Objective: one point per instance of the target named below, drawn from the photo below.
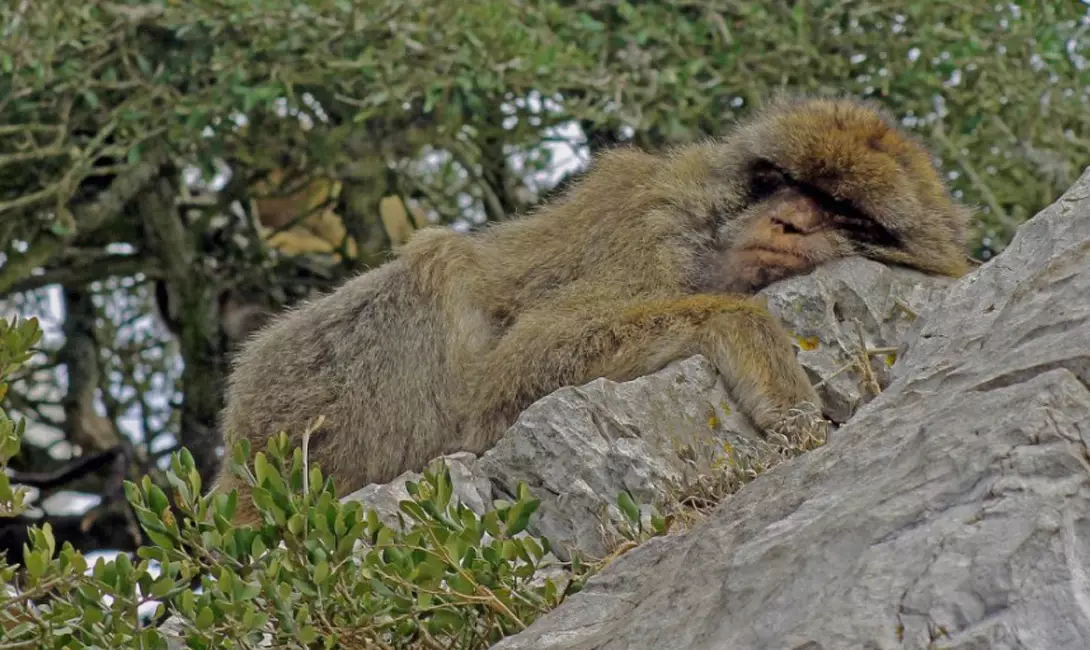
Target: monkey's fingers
(802, 427)
(756, 359)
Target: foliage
(314, 111)
(1000, 91)
(314, 574)
(16, 340)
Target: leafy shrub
(317, 573)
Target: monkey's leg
(548, 349)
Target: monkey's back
(366, 357)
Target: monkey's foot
(801, 427)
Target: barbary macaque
(645, 260)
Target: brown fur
(440, 349)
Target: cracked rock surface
(953, 510)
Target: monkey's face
(785, 231)
(824, 179)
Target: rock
(841, 311)
(469, 485)
(951, 511)
(578, 448)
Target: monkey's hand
(580, 340)
(757, 361)
(803, 426)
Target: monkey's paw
(801, 427)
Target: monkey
(646, 259)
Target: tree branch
(80, 275)
(83, 426)
(109, 526)
(192, 295)
(68, 472)
(87, 218)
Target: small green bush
(317, 573)
(16, 340)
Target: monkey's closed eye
(849, 218)
(765, 179)
(865, 230)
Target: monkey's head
(821, 179)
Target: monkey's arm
(547, 349)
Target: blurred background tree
(171, 173)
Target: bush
(317, 573)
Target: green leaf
(187, 603)
(157, 499)
(91, 99)
(321, 572)
(308, 634)
(205, 619)
(444, 621)
(261, 467)
(628, 507)
(160, 539)
(257, 549)
(414, 510)
(297, 523)
(519, 516)
(161, 587)
(35, 562)
(248, 591)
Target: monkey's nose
(786, 227)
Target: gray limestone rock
(844, 309)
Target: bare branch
(80, 356)
(78, 275)
(36, 154)
(15, 129)
(30, 199)
(70, 471)
(88, 217)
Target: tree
(171, 173)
